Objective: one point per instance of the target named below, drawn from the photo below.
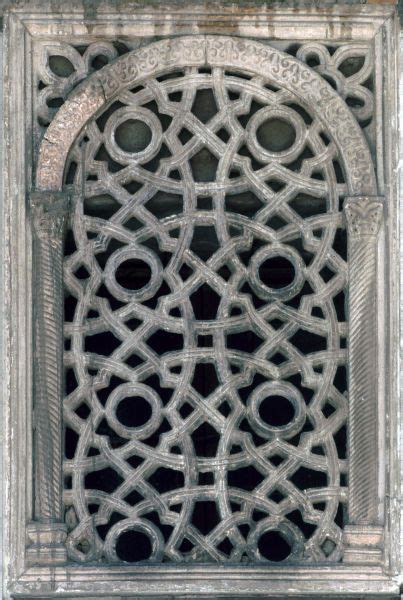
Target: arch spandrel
(214, 51)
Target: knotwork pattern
(205, 273)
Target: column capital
(49, 211)
(364, 215)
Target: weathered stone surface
(324, 96)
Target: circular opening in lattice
(133, 546)
(273, 546)
(276, 411)
(276, 135)
(125, 418)
(133, 274)
(134, 411)
(276, 272)
(133, 135)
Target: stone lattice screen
(209, 390)
(205, 329)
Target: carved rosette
(363, 535)
(47, 534)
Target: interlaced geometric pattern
(205, 330)
(60, 67)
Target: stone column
(363, 535)
(47, 534)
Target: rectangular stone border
(401, 291)
(347, 22)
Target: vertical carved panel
(364, 218)
(49, 212)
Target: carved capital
(364, 215)
(49, 214)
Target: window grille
(205, 275)
(210, 210)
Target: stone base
(363, 544)
(46, 543)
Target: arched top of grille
(210, 51)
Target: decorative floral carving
(364, 215)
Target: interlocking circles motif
(205, 274)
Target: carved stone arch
(212, 51)
(363, 210)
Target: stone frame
(24, 25)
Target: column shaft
(47, 533)
(363, 534)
